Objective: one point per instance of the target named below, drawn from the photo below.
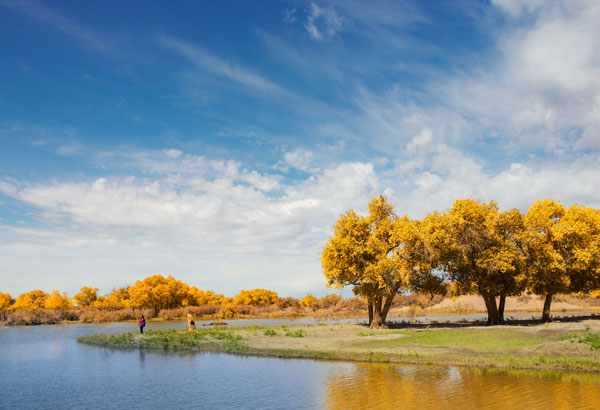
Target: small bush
(94, 315)
(288, 303)
(23, 317)
(350, 305)
(329, 301)
(230, 311)
(271, 332)
(297, 333)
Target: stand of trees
(483, 251)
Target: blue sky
(219, 141)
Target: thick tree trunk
(389, 300)
(501, 305)
(546, 311)
(370, 313)
(378, 319)
(380, 309)
(490, 304)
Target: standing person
(142, 324)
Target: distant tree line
(474, 246)
(156, 293)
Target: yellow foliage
(158, 292)
(379, 255)
(57, 301)
(309, 301)
(86, 297)
(197, 297)
(256, 297)
(35, 299)
(5, 301)
(117, 299)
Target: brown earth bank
(565, 345)
(405, 306)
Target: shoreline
(558, 346)
(424, 317)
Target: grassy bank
(569, 346)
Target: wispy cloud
(210, 63)
(289, 16)
(89, 38)
(323, 23)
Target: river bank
(569, 345)
(408, 307)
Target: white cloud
(210, 223)
(323, 23)
(545, 82)
(173, 153)
(590, 138)
(7, 188)
(421, 141)
(221, 225)
(299, 158)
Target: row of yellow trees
(547, 251)
(154, 292)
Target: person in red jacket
(142, 324)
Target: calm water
(43, 367)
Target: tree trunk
(378, 319)
(370, 313)
(501, 305)
(490, 304)
(546, 311)
(389, 300)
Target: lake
(43, 367)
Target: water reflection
(384, 386)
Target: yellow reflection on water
(387, 386)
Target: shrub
(350, 305)
(230, 311)
(329, 301)
(297, 333)
(270, 332)
(288, 303)
(24, 317)
(94, 315)
(309, 301)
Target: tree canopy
(474, 245)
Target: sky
(219, 141)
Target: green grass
(488, 340)
(297, 333)
(590, 338)
(165, 338)
(120, 339)
(270, 332)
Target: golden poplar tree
(486, 254)
(5, 301)
(57, 301)
(30, 300)
(86, 296)
(361, 254)
(563, 250)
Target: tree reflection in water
(386, 386)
